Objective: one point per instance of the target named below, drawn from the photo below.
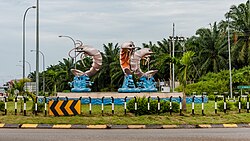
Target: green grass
(119, 118)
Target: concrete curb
(150, 126)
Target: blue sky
(96, 22)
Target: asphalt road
(213, 134)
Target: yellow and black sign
(64, 108)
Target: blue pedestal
(80, 84)
(147, 84)
(128, 85)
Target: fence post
(16, 105)
(193, 105)
(125, 105)
(148, 104)
(5, 105)
(90, 105)
(225, 104)
(24, 106)
(202, 105)
(247, 104)
(102, 105)
(215, 104)
(36, 105)
(45, 106)
(159, 105)
(113, 105)
(170, 105)
(239, 103)
(135, 106)
(180, 106)
(80, 98)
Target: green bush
(40, 107)
(10, 98)
(142, 106)
(229, 106)
(1, 106)
(243, 104)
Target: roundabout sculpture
(130, 63)
(81, 80)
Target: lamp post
(43, 68)
(24, 17)
(37, 47)
(74, 45)
(229, 58)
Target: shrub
(40, 107)
(142, 106)
(243, 104)
(229, 105)
(1, 106)
(10, 98)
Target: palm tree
(240, 23)
(184, 64)
(161, 58)
(211, 45)
(107, 75)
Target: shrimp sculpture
(81, 80)
(146, 82)
(130, 63)
(127, 50)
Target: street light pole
(24, 17)
(229, 59)
(173, 41)
(43, 68)
(37, 48)
(74, 45)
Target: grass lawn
(119, 118)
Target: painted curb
(152, 126)
(29, 126)
(61, 126)
(96, 126)
(136, 126)
(45, 126)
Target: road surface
(212, 134)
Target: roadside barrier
(36, 105)
(112, 103)
(193, 105)
(15, 105)
(135, 105)
(5, 105)
(170, 105)
(225, 104)
(202, 105)
(215, 104)
(24, 106)
(158, 104)
(45, 106)
(180, 105)
(247, 104)
(195, 98)
(90, 103)
(125, 105)
(239, 103)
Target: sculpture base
(78, 90)
(128, 90)
(148, 89)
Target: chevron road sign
(64, 108)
